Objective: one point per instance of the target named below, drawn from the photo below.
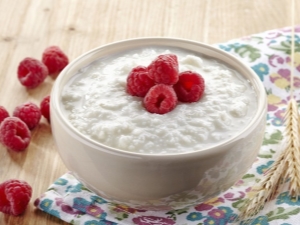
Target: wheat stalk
(292, 151)
(286, 167)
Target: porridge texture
(97, 105)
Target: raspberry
(29, 113)
(164, 69)
(14, 134)
(32, 72)
(3, 113)
(14, 196)
(138, 81)
(55, 59)
(45, 107)
(190, 87)
(160, 99)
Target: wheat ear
(293, 148)
(287, 166)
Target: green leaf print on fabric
(239, 204)
(282, 213)
(267, 155)
(246, 176)
(248, 51)
(285, 46)
(248, 179)
(274, 138)
(121, 212)
(174, 213)
(118, 212)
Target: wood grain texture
(29, 26)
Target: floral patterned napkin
(268, 55)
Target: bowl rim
(259, 89)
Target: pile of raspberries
(15, 130)
(161, 85)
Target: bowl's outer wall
(136, 179)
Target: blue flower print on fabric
(261, 70)
(213, 221)
(286, 198)
(229, 47)
(61, 181)
(296, 37)
(74, 188)
(194, 216)
(228, 213)
(46, 205)
(219, 216)
(262, 169)
(81, 204)
(277, 122)
(88, 208)
(97, 199)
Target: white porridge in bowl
(96, 103)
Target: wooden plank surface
(27, 27)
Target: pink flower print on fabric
(280, 114)
(94, 211)
(281, 79)
(234, 196)
(216, 214)
(278, 119)
(209, 204)
(273, 35)
(66, 208)
(275, 60)
(203, 207)
(289, 29)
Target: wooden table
(27, 27)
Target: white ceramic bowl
(150, 181)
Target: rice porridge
(96, 104)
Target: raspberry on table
(29, 113)
(14, 134)
(160, 99)
(138, 81)
(32, 72)
(14, 196)
(55, 59)
(190, 86)
(45, 107)
(3, 113)
(164, 69)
